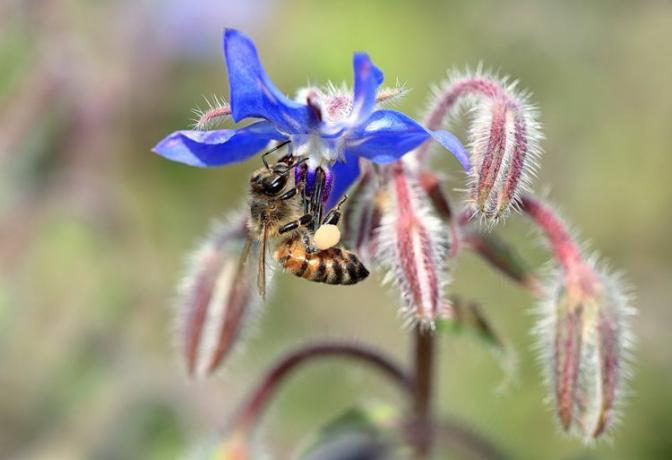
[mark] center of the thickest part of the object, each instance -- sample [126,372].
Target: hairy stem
[422,396]
[253,408]
[565,249]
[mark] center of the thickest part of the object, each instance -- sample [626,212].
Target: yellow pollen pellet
[327,236]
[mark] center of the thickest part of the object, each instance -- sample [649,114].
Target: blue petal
[367,79]
[253,94]
[454,146]
[207,149]
[344,173]
[387,135]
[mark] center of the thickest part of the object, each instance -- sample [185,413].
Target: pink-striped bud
[504,137]
[217,299]
[585,339]
[413,245]
[584,332]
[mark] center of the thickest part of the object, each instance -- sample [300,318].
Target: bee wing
[261,268]
[244,255]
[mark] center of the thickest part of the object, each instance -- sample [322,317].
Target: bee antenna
[343,200]
[301,161]
[274,149]
[294,164]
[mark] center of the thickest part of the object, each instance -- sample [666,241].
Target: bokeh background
[94,228]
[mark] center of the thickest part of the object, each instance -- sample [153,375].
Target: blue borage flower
[333,140]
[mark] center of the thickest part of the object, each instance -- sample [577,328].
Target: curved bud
[504,136]
[585,339]
[216,299]
[413,245]
[584,332]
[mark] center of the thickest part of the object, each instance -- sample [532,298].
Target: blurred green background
[94,228]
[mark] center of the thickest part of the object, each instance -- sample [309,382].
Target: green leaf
[469,319]
[357,431]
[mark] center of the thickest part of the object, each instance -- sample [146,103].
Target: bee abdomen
[331,266]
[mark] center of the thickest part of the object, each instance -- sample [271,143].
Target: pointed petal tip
[362,64]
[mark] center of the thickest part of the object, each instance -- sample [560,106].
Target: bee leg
[288,194]
[293,225]
[277,147]
[334,215]
[316,198]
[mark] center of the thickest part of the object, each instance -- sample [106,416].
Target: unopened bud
[413,245]
[217,299]
[585,339]
[583,330]
[504,136]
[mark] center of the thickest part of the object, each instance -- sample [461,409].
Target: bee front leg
[293,225]
[288,194]
[334,215]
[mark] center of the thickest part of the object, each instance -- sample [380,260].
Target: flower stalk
[423,389]
[252,409]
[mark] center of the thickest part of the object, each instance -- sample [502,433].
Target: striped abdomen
[331,266]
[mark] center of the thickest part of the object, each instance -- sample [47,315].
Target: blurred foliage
[94,228]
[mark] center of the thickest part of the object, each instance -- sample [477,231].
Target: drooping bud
[217,298]
[584,332]
[413,245]
[504,137]
[214,116]
[585,339]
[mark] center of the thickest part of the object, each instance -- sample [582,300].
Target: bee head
[269,182]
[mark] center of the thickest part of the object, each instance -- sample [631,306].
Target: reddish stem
[446,101]
[424,376]
[564,248]
[253,408]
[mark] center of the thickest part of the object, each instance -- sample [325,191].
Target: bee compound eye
[274,184]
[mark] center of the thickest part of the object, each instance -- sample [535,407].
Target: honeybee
[280,209]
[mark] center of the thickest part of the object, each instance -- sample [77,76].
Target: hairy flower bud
[413,244]
[217,298]
[504,137]
[583,330]
[585,337]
